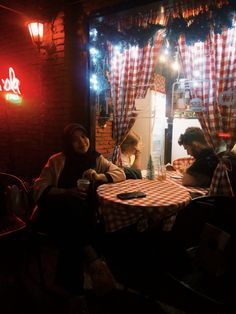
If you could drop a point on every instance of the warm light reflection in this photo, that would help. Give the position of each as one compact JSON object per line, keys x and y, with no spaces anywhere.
{"x":162,"y":58}
{"x":175,"y":66}
{"x":36,"y":32}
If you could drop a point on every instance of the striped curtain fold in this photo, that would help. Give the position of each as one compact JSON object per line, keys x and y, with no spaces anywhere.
{"x":131,"y":72}
{"x":214,"y":62}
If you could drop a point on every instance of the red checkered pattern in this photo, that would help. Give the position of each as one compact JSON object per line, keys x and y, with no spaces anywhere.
{"x":159,"y":83}
{"x":130,"y":75}
{"x":218,"y":185}
{"x":173,"y":176}
{"x":163,"y":199}
{"x":215,"y":62}
{"x":192,"y":8}
{"x":181,"y":163}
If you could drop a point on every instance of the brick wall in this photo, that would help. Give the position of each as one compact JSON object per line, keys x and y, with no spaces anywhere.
{"x":104,"y":141}
{"x":19,"y":123}
{"x":30,"y":132}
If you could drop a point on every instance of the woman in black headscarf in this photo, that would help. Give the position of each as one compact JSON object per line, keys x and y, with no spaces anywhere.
{"x":66,"y":210}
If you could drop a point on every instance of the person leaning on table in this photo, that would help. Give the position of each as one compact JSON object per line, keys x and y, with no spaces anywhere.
{"x":66,"y":210}
{"x":131,"y":155}
{"x":200,"y":173}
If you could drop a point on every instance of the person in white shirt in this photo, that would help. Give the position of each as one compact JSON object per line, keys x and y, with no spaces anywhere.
{"x":131,"y":151}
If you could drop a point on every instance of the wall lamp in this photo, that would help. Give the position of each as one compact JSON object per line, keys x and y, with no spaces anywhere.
{"x":36,"y":29}
{"x":36,"y":33}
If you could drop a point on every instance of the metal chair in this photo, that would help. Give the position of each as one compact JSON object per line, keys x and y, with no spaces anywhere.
{"x":14,"y":210}
{"x":15,"y":196}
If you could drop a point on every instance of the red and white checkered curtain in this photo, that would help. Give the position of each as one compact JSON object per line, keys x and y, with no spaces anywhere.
{"x":214,"y":61}
{"x":131,"y":72}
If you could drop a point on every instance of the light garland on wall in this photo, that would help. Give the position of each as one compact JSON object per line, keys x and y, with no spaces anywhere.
{"x":98,"y":80}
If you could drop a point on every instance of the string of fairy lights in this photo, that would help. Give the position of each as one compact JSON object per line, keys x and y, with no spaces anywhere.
{"x":195,"y":29}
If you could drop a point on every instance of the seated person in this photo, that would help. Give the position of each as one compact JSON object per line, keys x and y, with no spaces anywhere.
{"x":131,"y":155}
{"x":200,"y":173}
{"x":68,"y":212}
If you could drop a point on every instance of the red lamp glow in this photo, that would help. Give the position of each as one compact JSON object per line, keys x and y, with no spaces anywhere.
{"x":36,"y":33}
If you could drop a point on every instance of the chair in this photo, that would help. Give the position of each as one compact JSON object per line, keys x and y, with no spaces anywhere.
{"x":14,"y":211}
{"x":202,"y":247}
{"x":15,"y":196}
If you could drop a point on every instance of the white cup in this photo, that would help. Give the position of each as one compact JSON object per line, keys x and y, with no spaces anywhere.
{"x":83,"y":184}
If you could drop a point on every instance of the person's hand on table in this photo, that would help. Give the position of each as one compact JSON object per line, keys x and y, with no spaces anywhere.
{"x":182,"y":170}
{"x":183,"y":167}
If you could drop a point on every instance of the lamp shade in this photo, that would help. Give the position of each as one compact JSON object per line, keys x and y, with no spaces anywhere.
{"x":36,"y":32}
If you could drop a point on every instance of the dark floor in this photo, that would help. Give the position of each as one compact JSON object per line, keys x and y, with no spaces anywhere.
{"x":21,"y":292}
{"x":24,"y":295}
{"x":31,"y":300}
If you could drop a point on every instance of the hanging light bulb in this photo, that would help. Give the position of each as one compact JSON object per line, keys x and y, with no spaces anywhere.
{"x":175,"y":65}
{"x":162,"y":58}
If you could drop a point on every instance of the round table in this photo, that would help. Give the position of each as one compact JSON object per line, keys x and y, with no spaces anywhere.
{"x":163,"y":199}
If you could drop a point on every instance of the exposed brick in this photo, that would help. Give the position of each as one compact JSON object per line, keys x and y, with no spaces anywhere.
{"x":104,"y":141}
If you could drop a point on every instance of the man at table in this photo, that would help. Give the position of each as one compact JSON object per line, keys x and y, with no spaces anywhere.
{"x":200,"y":173}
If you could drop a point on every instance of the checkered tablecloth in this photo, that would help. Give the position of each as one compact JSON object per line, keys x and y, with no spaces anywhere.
{"x":163,"y":199}
{"x":184,"y":162}
{"x":175,"y":178}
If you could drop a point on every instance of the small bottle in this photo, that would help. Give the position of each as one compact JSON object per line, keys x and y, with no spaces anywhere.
{"x":150,"y":169}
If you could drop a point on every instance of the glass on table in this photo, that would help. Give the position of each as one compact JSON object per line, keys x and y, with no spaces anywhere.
{"x":83,"y":184}
{"x":161,"y":172}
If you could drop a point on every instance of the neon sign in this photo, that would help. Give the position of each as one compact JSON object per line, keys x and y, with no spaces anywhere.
{"x":11,"y":83}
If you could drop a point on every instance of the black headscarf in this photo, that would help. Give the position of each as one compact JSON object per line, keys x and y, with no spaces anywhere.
{"x":75,"y":164}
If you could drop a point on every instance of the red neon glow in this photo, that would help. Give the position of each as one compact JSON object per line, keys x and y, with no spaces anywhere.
{"x":224,"y":135}
{"x":11,"y":83}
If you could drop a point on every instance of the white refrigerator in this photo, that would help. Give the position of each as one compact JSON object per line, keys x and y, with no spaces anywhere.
{"x":150,"y":125}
